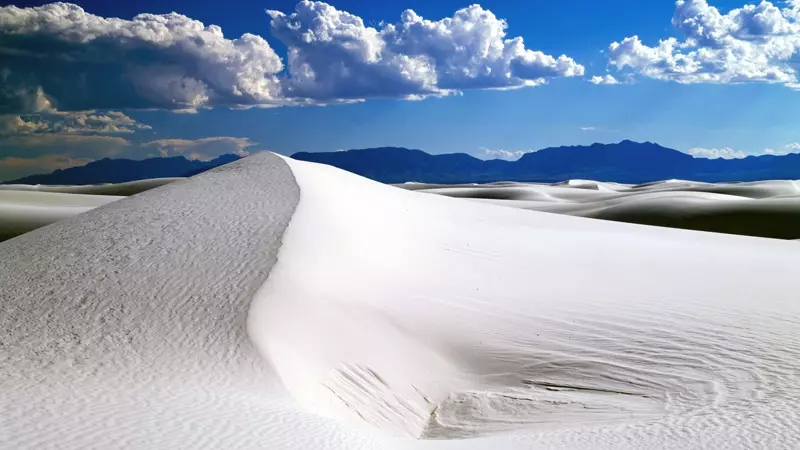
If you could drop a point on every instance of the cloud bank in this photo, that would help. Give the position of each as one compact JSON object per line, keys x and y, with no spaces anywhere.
{"x":173,"y":62}
{"x":753,"y":43}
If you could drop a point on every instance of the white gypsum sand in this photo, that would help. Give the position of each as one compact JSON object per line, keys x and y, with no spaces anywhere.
{"x":120,"y":189}
{"x":23,"y":211}
{"x":439,"y":318}
{"x":24,"y":208}
{"x":386,"y":315}
{"x":764,"y":208}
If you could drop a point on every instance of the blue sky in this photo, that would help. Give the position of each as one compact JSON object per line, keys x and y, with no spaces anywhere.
{"x":735,"y":99}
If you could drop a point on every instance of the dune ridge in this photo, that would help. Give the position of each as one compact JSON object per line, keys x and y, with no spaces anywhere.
{"x":279,"y":304}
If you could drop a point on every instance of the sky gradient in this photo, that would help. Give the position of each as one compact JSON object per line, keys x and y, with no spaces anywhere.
{"x":93,"y":80}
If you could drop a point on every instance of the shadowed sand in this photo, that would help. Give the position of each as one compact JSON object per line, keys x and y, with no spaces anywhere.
{"x":763,"y":209}
{"x":24,"y":208}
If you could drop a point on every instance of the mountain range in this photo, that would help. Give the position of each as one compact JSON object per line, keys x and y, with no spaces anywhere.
{"x":124,"y":170}
{"x":623,"y":162}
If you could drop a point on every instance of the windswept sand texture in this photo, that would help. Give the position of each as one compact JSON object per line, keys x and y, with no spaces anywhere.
{"x":764,"y":209}
{"x":378,"y":318}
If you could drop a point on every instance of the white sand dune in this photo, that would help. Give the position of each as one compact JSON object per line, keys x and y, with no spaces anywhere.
{"x":388,"y":319}
{"x":23,"y":211}
{"x":24,"y":208}
{"x":764,"y":209}
{"x":119,"y":189}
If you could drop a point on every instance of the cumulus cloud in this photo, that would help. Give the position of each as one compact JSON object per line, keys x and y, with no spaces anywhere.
{"x":605,"y":79}
{"x":753,"y":43}
{"x":793,"y":146}
{"x":59,"y":57}
{"x":151,"y":61}
{"x":716,"y":153}
{"x":508,"y":155}
{"x":333,"y":55}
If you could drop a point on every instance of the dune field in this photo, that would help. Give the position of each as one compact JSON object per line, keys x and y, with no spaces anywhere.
{"x":764,"y":208}
{"x":25,"y":207}
{"x":278,"y":304}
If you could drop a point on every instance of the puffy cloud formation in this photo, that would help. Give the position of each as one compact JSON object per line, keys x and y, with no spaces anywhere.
{"x":333,"y":55}
{"x":605,"y":79}
{"x":152,"y":61}
{"x":508,"y":155}
{"x":112,"y":122}
{"x":754,"y":43}
{"x":171,"y":61}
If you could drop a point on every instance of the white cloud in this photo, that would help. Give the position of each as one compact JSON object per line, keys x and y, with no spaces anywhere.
{"x":793,"y":146}
{"x":333,"y":55}
{"x":588,"y":128}
{"x":605,"y":79}
{"x":508,"y":155}
{"x":112,"y":122}
{"x":151,"y":61}
{"x":753,"y":43}
{"x":715,"y":153}
{"x":57,"y":56}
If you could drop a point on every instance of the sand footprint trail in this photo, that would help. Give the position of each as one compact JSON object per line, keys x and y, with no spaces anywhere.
{"x":275,"y":304}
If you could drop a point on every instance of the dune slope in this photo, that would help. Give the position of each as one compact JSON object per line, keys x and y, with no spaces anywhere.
{"x":276,"y":304}
{"x":444,"y":319}
{"x":124,"y":327}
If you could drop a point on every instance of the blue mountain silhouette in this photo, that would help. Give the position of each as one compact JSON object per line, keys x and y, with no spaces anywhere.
{"x":123,"y":170}
{"x":624,"y":162}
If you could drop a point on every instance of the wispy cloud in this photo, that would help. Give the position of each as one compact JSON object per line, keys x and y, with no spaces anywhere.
{"x":730,"y":153}
{"x":717,"y":153}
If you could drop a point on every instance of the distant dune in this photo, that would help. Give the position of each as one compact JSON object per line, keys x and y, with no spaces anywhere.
{"x":278,"y":304}
{"x":24,"y":208}
{"x":764,"y":209}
